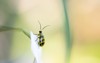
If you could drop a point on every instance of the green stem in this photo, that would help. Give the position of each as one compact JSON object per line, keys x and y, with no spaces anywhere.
{"x":6,"y":28}
{"x":68,"y":34}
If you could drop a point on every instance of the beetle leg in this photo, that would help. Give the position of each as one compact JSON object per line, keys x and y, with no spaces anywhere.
{"x":36,"y":39}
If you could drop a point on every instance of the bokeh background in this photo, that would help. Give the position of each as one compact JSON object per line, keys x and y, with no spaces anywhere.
{"x":84,"y":19}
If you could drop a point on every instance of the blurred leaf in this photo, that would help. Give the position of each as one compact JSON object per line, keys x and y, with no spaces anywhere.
{"x":6,"y":28}
{"x":68,"y":32}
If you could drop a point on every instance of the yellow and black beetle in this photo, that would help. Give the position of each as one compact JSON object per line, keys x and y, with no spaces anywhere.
{"x":41,"y":39}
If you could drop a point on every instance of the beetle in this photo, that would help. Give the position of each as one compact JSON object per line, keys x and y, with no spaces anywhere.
{"x":41,"y":39}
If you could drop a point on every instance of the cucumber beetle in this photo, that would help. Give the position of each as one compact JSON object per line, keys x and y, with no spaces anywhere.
{"x":41,"y":39}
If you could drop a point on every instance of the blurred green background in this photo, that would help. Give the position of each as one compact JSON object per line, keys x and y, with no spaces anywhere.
{"x":84,"y":26}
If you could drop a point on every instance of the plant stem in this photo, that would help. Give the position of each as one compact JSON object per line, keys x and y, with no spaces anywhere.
{"x":68,"y":34}
{"x":7,"y":28}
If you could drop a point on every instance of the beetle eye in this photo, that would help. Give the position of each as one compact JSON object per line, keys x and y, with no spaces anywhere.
{"x":40,"y":31}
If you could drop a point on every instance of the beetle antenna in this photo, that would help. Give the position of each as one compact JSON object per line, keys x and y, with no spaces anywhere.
{"x":39,"y":24}
{"x":45,"y":27}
